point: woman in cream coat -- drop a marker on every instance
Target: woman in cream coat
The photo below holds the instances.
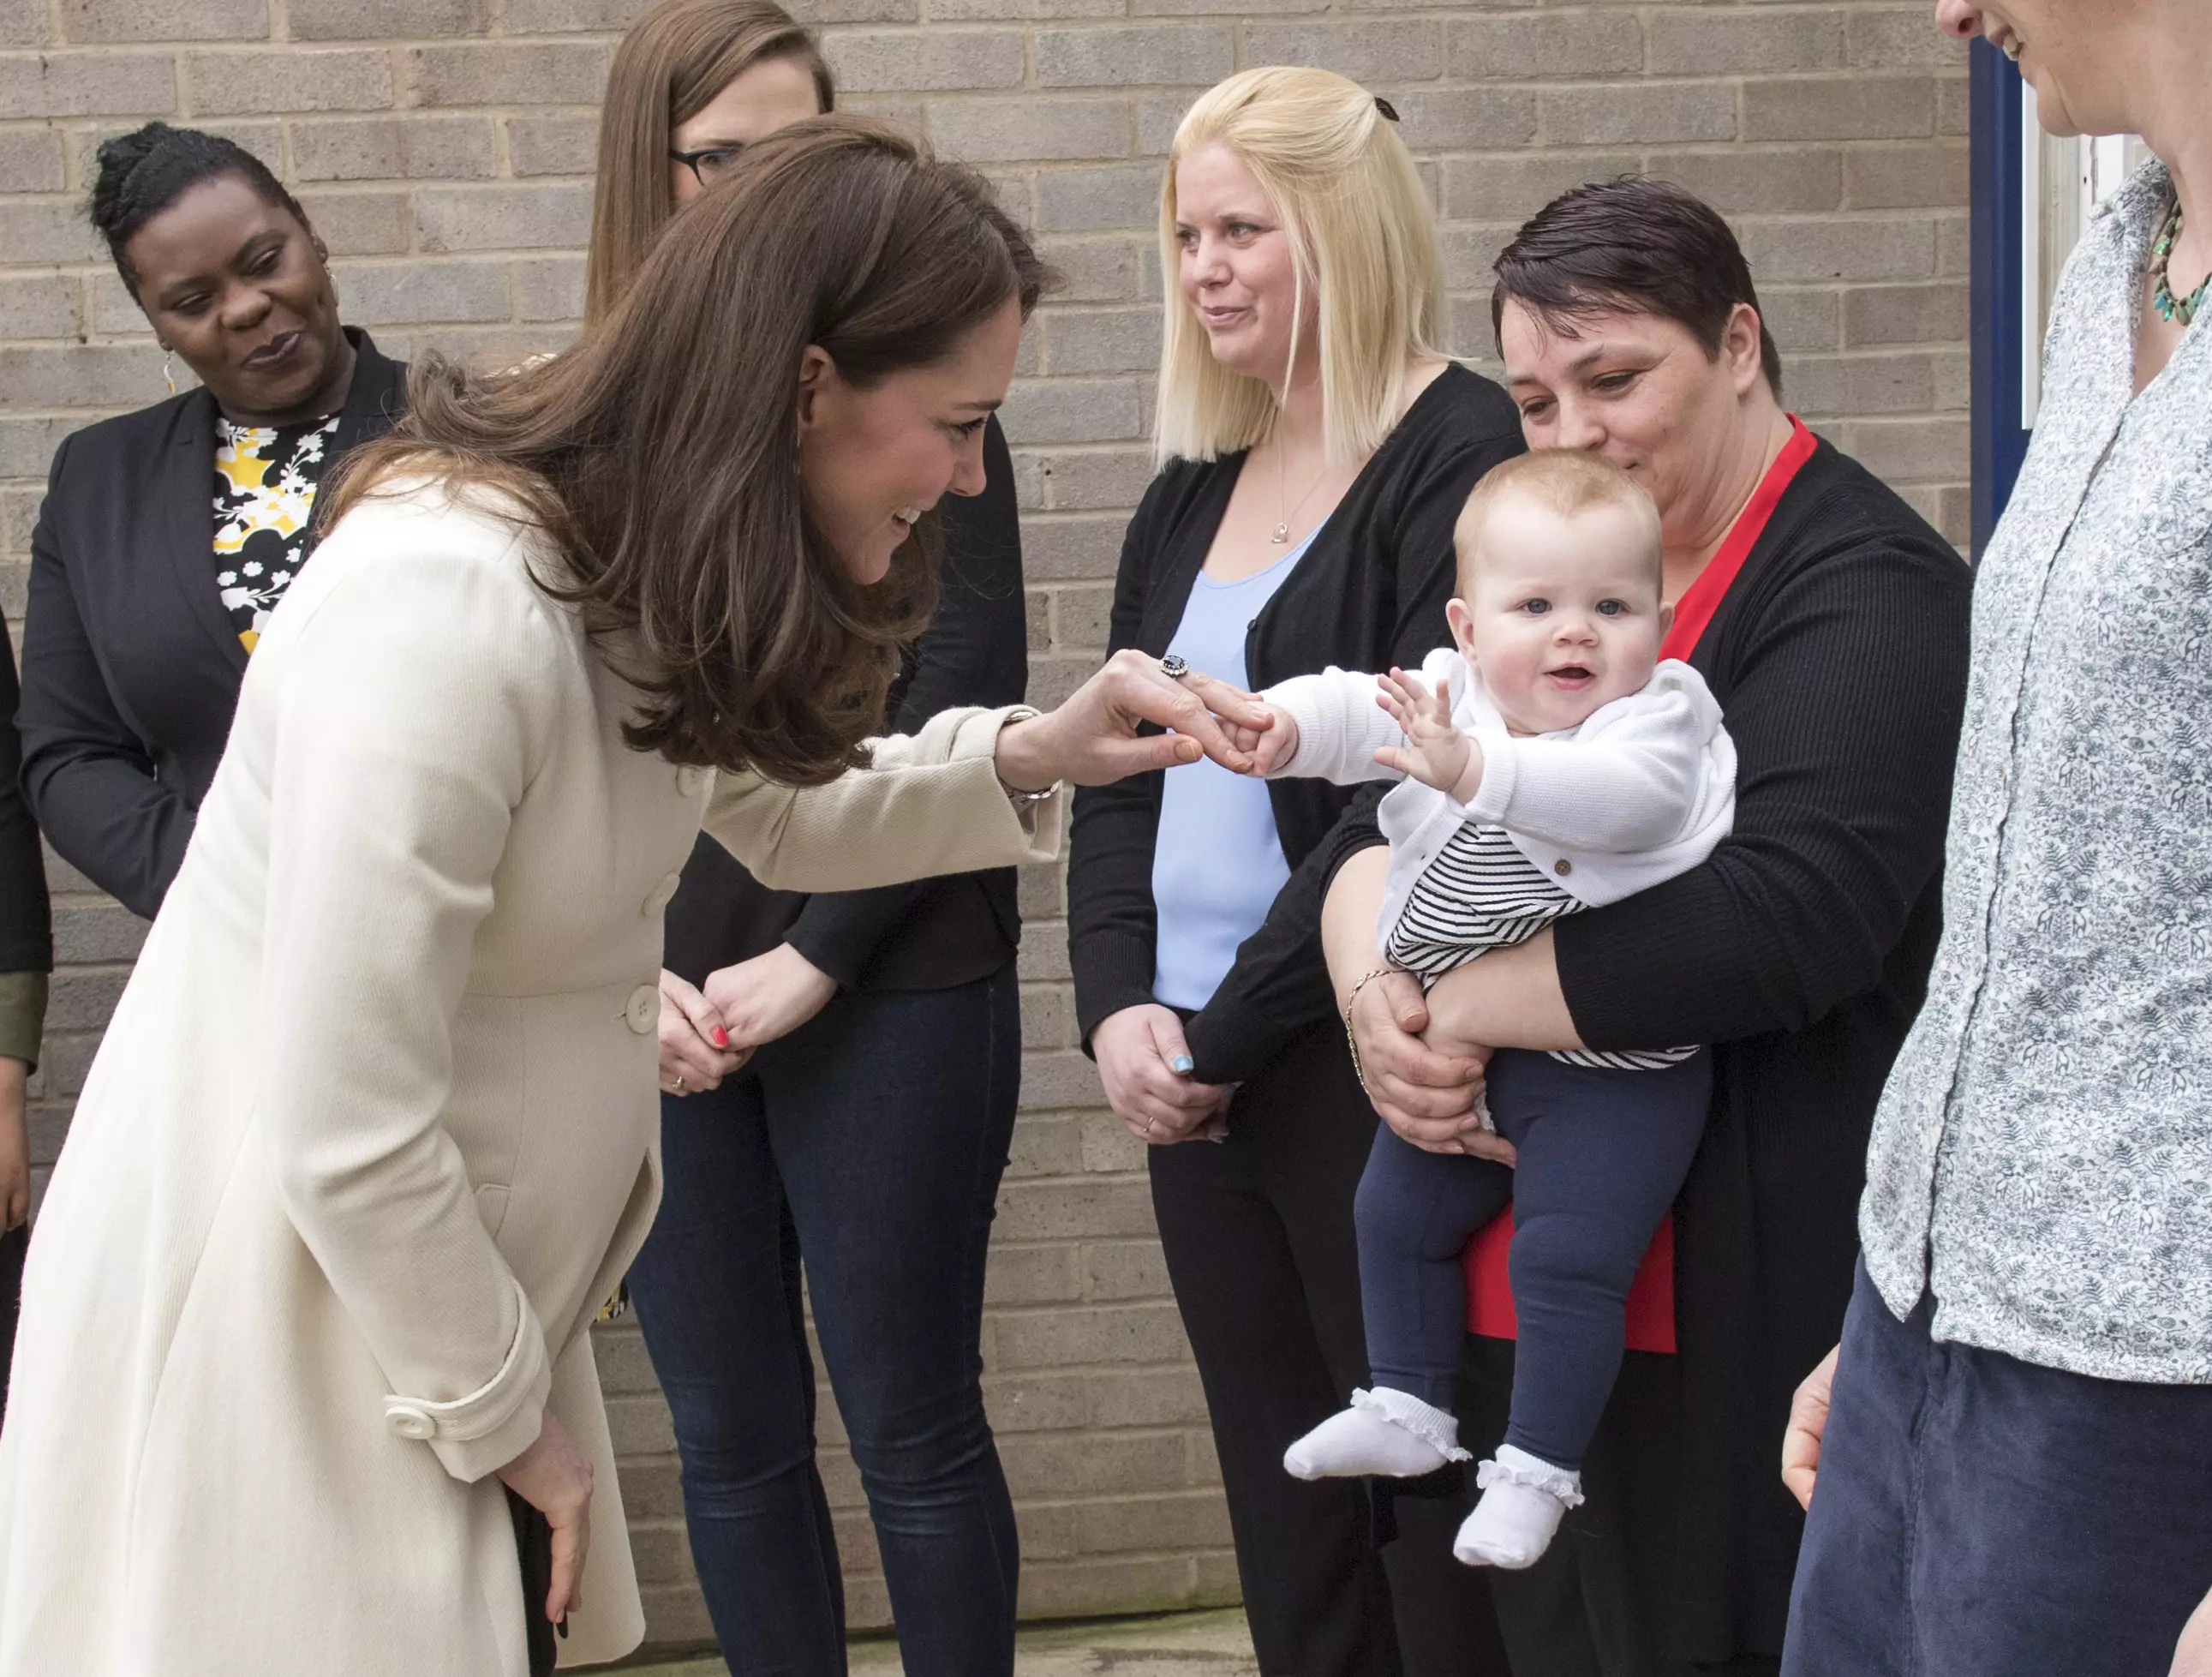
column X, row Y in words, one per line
column 372, row 1135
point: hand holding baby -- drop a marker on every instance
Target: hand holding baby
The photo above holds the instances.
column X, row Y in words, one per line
column 1436, row 753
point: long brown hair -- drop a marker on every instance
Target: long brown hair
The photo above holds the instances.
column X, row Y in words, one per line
column 670, row 64
column 661, row 452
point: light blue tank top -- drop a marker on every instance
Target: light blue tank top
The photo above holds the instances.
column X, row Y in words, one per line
column 1219, row 862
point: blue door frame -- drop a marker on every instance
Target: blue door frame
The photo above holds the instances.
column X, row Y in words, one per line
column 1998, row 298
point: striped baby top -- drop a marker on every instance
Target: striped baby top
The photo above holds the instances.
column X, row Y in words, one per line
column 1481, row 894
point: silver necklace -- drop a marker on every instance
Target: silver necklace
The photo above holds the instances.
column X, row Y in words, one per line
column 1280, row 535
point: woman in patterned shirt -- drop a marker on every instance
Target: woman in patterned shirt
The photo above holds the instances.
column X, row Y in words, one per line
column 168, row 535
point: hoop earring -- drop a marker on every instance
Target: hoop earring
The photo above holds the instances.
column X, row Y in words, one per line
column 168, row 377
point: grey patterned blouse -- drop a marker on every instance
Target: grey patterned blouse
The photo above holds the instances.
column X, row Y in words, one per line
column 2042, row 1159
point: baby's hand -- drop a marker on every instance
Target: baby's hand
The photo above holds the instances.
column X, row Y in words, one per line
column 1267, row 747
column 1436, row 753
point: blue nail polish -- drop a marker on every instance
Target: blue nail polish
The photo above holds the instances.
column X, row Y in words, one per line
column 1181, row 1063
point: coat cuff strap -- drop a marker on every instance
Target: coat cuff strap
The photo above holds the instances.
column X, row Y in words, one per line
column 496, row 1422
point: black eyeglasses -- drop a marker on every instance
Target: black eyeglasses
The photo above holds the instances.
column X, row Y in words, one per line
column 705, row 165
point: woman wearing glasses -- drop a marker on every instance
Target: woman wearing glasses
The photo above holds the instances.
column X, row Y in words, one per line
column 838, row 1071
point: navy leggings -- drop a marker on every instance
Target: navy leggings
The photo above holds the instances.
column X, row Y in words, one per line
column 1602, row 1155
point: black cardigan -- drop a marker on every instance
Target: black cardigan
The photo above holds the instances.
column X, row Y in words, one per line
column 1801, row 950
column 933, row 934
column 130, row 664
column 27, row 944
column 1368, row 593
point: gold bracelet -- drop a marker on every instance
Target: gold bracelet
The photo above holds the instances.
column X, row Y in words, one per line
column 1358, row 1071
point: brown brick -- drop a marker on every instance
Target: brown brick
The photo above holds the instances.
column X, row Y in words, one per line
column 1188, row 1520
column 1658, row 114
column 1481, row 117
column 926, row 60
column 87, row 84
column 385, row 20
column 263, row 138
column 1074, row 410
column 1045, row 1144
column 52, row 230
column 80, row 375
column 973, row 11
column 394, row 148
column 27, row 445
column 550, row 287
column 1036, row 1401
column 41, row 305
column 1058, row 548
column 1741, row 41
column 359, row 223
column 1102, row 340
column 417, row 293
column 1898, row 381
column 1147, row 1583
column 1040, row 1210
column 1796, row 180
column 504, row 73
column 553, row 145
column 1116, row 1270
column 290, row 79
column 1802, row 318
column 1220, row 8
column 1954, row 107
column 1906, row 177
column 1840, row 108
column 1032, row 1275
column 23, row 22
column 1048, row 1018
column 1513, row 188
column 1112, row 1462
column 1914, row 450
column 1880, row 314
column 1027, row 129
column 1176, row 54
column 503, row 218
column 1371, row 50
column 1089, row 481
column 1502, row 47
column 120, row 21
column 81, row 999
column 30, row 161
column 1903, row 37
column 1088, row 200
column 1862, row 248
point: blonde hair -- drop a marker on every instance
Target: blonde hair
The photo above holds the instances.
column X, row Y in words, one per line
column 1361, row 236
column 1561, row 481
column 672, row 62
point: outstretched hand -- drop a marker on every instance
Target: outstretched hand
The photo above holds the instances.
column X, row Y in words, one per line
column 1268, row 747
column 1092, row 738
column 1436, row 753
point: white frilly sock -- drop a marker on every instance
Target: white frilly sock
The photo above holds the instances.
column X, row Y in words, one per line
column 1523, row 1500
column 1385, row 1431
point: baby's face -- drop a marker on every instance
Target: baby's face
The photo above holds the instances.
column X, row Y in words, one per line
column 1560, row 615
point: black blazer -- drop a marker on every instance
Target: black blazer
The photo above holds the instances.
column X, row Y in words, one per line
column 933, row 934
column 27, row 942
column 131, row 665
column 1368, row 593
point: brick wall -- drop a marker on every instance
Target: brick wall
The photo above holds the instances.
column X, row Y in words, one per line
column 443, row 149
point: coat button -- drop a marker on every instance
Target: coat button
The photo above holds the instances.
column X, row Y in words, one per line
column 643, row 1010
column 691, row 780
column 409, row 1422
column 662, row 894
column 1562, row 866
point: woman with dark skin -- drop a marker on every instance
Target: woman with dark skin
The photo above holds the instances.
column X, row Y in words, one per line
column 168, row 535
column 838, row 1071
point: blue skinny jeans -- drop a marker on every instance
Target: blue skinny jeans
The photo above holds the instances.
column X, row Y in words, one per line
column 868, row 1144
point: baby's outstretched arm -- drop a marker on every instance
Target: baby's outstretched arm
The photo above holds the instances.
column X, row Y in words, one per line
column 1267, row 746
column 1436, row 753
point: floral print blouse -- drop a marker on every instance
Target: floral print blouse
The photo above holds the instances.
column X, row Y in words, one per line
column 265, row 478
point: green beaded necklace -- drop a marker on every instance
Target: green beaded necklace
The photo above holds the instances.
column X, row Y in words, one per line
column 2169, row 306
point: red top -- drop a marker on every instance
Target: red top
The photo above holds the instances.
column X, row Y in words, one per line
column 1651, row 1296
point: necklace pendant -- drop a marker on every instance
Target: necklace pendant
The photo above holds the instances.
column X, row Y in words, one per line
column 1280, row 535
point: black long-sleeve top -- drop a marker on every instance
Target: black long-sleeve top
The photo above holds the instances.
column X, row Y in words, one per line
column 27, row 944
column 931, row 934
column 1368, row 593
column 1800, row 949
column 131, row 665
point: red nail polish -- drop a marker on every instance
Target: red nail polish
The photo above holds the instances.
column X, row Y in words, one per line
column 721, row 1037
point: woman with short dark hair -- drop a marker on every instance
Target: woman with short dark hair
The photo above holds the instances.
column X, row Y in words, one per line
column 304, row 1378
column 1830, row 621
column 168, row 535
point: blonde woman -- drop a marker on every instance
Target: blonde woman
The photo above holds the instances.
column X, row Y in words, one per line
column 1314, row 447
column 838, row 1071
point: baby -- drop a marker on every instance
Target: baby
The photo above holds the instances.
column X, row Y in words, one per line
column 1550, row 763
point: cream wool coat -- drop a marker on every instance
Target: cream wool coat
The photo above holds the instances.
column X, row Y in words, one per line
column 373, row 1132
